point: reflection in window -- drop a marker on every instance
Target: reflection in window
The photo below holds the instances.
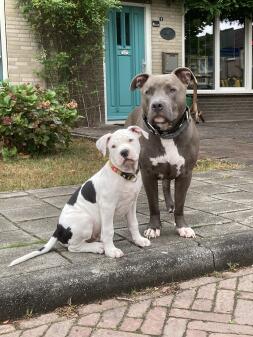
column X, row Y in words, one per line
column 127, row 28
column 118, row 28
column 231, row 54
column 199, row 51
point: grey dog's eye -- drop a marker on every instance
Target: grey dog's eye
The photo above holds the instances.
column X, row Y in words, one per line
column 113, row 146
column 173, row 90
column 130, row 140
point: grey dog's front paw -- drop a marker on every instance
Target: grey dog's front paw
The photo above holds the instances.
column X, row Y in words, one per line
column 186, row 232
column 114, row 252
column 151, row 233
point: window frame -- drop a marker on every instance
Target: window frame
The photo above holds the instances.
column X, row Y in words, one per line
column 3, row 40
column 248, row 62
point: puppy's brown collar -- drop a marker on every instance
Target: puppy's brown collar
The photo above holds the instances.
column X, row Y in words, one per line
column 126, row 175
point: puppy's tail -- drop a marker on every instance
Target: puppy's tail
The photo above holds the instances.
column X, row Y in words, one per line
column 51, row 243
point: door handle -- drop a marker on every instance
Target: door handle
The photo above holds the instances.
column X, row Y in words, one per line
column 143, row 66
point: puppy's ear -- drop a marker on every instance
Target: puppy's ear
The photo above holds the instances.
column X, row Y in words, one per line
column 138, row 81
column 185, row 75
column 102, row 142
column 138, row 131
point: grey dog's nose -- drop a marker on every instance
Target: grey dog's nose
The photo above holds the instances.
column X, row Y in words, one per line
column 157, row 106
column 124, row 153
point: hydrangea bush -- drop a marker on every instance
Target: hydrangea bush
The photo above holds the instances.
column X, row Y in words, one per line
column 32, row 120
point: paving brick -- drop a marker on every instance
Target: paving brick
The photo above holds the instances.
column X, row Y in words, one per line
column 35, row 332
column 226, row 335
column 33, row 322
column 220, row 327
column 138, row 309
column 164, row 301
column 207, row 316
column 111, row 318
column 13, row 334
column 244, row 312
column 202, row 304
column 228, row 284
column 59, row 329
column 80, row 331
column 113, row 333
column 246, row 283
column 207, row 291
column 245, row 295
column 17, row 203
column 131, row 324
column 89, row 320
column 105, row 305
column 184, row 299
column 175, row 327
column 196, row 333
column 154, row 321
column 224, row 301
column 198, row 282
column 5, row 328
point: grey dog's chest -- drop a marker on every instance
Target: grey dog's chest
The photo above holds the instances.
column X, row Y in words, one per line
column 162, row 158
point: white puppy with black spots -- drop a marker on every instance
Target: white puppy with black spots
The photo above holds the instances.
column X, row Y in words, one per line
column 86, row 221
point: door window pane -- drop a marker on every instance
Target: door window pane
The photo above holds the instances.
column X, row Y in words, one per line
column 118, row 28
column 199, row 51
column 127, row 29
column 231, row 54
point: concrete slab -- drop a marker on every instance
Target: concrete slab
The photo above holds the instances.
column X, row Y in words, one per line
column 18, row 203
column 6, row 225
column 31, row 213
column 15, row 238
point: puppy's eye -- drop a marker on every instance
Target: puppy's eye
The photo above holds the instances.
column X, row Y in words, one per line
column 113, row 146
column 172, row 90
column 130, row 140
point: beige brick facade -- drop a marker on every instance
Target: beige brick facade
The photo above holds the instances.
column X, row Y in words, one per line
column 172, row 17
column 22, row 49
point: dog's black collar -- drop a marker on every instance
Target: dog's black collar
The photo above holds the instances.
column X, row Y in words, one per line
column 170, row 133
column 125, row 175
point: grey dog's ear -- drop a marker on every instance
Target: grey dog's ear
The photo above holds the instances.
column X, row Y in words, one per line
column 102, row 142
column 185, row 75
column 138, row 81
column 138, row 131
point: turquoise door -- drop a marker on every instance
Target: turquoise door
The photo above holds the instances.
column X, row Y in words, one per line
column 1, row 61
column 124, row 53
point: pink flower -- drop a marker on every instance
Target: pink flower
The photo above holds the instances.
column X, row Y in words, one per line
column 71, row 105
column 7, row 120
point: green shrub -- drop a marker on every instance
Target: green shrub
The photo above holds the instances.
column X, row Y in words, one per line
column 32, row 121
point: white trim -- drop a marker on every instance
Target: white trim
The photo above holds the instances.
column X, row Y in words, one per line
column 148, row 52
column 3, row 40
column 183, row 37
column 104, row 74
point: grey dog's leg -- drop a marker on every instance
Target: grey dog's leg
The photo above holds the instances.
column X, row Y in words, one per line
column 167, row 195
column 182, row 184
column 151, row 187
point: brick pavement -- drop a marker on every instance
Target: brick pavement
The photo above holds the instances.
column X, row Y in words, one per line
column 217, row 305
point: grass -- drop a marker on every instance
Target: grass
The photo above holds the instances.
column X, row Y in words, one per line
column 69, row 167
column 204, row 165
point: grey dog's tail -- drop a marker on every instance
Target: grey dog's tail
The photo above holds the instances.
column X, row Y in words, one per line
column 50, row 244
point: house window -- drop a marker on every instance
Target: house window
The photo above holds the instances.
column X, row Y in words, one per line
column 218, row 54
column 232, row 54
column 3, row 56
column 199, row 51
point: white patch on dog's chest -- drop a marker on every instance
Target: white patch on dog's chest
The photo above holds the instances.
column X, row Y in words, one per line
column 171, row 155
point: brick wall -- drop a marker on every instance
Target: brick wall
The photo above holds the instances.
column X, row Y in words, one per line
column 172, row 17
column 22, row 48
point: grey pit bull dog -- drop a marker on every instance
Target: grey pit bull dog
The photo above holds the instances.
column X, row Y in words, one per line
column 171, row 151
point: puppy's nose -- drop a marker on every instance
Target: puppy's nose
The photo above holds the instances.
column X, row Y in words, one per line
column 124, row 153
column 157, row 107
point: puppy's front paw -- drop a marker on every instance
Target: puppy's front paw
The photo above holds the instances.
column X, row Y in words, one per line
column 186, row 232
column 151, row 233
column 114, row 252
column 142, row 242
